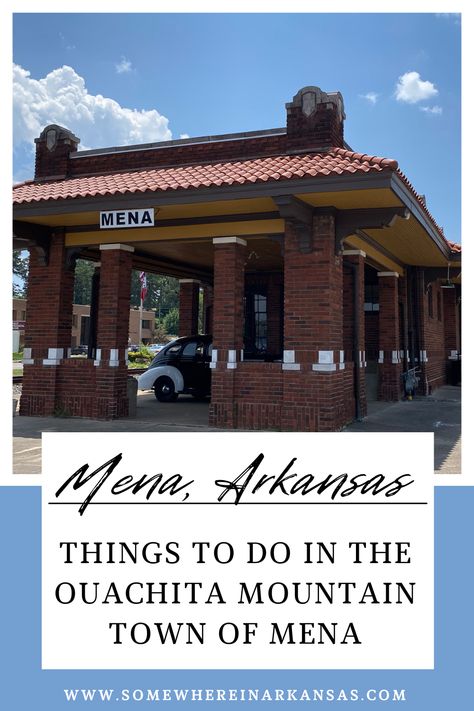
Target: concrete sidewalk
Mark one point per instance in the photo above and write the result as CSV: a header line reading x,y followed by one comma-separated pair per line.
x,y
439,413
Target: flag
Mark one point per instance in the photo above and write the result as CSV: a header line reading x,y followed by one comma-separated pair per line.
x,y
143,289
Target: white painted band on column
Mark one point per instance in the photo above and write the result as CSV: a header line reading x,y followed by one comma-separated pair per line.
x,y
289,361
213,363
454,355
27,359
98,356
380,356
423,357
325,357
395,357
123,247
231,359
229,240
54,356
114,358
125,355
342,365
325,362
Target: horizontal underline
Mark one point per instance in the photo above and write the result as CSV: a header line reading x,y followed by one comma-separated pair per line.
x,y
241,503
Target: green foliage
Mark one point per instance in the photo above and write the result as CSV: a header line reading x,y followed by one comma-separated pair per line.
x,y
171,322
162,293
141,356
159,332
21,262
83,281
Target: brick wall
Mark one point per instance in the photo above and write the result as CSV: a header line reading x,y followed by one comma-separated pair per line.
x,y
435,367
390,370
188,307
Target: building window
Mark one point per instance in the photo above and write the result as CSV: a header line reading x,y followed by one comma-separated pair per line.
x,y
371,297
145,323
430,302
256,322
438,300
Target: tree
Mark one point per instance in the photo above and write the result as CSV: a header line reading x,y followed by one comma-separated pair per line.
x,y
20,271
171,322
83,281
162,293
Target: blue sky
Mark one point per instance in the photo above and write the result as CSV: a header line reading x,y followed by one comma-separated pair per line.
x,y
129,78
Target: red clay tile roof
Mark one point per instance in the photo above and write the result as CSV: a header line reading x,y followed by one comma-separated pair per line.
x,y
336,161
259,170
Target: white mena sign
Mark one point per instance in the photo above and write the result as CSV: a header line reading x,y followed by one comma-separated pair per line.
x,y
115,219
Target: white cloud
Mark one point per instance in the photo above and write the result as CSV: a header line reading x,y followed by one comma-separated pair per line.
x,y
411,88
371,97
124,66
62,97
431,109
184,135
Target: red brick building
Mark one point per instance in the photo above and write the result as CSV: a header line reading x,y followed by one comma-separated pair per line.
x,y
324,273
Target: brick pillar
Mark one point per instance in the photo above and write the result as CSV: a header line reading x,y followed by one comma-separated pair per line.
x,y
274,315
389,369
112,331
421,308
228,327
48,327
207,306
451,323
317,387
354,321
188,306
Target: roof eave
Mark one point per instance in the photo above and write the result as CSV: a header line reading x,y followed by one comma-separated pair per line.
x,y
367,181
408,198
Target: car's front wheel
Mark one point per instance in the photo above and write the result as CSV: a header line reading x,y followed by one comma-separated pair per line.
x,y
165,390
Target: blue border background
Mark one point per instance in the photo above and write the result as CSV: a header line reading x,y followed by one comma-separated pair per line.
x,y
24,687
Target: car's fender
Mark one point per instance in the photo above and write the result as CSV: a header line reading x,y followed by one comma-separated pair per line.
x,y
147,379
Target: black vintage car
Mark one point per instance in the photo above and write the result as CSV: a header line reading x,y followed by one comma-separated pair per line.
x,y
182,366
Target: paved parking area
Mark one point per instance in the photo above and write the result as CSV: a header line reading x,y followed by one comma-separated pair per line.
x,y
439,413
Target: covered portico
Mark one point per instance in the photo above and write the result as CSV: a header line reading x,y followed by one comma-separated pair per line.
x,y
279,227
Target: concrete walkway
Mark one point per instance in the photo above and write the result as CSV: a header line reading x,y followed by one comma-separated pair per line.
x,y
439,413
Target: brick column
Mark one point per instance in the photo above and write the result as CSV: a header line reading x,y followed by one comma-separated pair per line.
x,y
112,331
451,323
228,327
421,307
354,321
188,306
207,306
48,328
389,369
274,315
317,388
